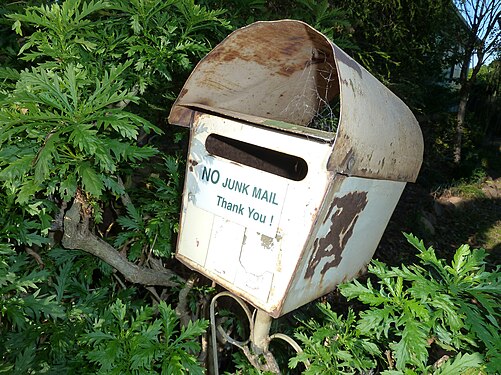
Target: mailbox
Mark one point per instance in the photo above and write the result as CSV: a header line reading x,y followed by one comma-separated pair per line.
x,y
281,204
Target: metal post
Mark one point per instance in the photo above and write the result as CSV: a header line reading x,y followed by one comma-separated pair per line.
x,y
260,336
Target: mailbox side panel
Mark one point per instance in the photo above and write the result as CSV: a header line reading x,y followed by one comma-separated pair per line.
x,y
349,227
243,227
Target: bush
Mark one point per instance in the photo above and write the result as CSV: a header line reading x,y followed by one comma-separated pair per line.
x,y
53,321
430,317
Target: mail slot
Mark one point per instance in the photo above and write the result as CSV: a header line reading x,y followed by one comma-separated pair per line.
x,y
297,158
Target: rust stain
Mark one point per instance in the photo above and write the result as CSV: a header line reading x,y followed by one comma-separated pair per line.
x,y
343,215
183,92
180,116
288,70
192,163
282,47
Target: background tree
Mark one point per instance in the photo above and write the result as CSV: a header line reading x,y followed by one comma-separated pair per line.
x,y
404,43
481,41
485,99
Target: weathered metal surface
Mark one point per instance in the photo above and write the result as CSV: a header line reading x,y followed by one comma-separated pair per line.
x,y
279,74
354,215
264,70
254,256
274,211
378,136
343,214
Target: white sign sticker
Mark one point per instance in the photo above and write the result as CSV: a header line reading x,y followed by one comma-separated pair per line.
x,y
244,195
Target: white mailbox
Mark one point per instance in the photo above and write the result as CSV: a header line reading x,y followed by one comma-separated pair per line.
x,y
275,210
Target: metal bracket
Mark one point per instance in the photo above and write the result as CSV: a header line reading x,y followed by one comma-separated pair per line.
x,y
255,348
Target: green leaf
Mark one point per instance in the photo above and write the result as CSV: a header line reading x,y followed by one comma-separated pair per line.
x,y
460,363
97,337
378,321
136,153
120,123
47,307
27,191
43,161
113,185
134,220
91,181
412,348
104,159
84,138
68,187
135,251
9,73
366,294
62,280
17,169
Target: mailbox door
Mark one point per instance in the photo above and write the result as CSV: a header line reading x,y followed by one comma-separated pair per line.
x,y
245,227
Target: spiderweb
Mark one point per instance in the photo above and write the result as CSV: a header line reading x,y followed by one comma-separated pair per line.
x,y
316,99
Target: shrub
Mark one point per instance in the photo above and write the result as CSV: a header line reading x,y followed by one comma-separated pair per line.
x,y
424,318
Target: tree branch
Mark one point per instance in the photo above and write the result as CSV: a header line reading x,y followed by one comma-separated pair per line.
x,y
77,236
182,309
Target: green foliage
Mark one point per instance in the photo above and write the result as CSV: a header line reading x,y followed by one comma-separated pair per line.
x,y
73,102
328,19
62,31
406,44
26,311
335,346
433,305
61,133
84,88
165,37
120,344
25,225
149,228
63,122
21,301
76,119
322,15
61,319
243,367
160,37
429,317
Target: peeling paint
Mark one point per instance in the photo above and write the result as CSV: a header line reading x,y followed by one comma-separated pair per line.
x,y
191,164
347,210
266,242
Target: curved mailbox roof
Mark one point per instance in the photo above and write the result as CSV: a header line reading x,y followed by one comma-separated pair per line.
x,y
280,74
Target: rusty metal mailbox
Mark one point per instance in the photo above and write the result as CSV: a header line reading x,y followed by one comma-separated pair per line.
x,y
284,196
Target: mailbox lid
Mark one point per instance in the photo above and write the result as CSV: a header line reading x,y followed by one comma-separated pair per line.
x,y
283,74
282,71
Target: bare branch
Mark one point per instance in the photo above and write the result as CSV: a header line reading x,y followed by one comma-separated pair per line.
x,y
77,236
182,308
35,255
